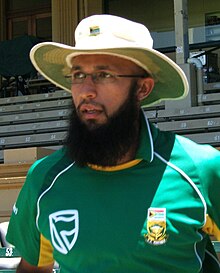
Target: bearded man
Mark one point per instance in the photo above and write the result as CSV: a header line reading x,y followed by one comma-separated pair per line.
x,y
121,196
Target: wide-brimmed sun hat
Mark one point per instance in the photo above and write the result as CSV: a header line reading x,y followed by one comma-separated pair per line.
x,y
112,35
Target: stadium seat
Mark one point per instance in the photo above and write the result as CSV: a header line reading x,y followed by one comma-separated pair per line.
x,y
7,250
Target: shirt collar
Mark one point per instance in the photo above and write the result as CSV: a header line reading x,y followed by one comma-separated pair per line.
x,y
146,141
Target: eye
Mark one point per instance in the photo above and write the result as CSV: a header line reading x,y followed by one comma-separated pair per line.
x,y
78,75
104,75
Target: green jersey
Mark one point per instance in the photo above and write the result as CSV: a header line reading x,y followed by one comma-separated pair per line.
x,y
144,216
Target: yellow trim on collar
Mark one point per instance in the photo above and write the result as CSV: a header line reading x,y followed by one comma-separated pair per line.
x,y
117,167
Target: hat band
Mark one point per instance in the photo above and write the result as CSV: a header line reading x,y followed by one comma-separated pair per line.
x,y
102,41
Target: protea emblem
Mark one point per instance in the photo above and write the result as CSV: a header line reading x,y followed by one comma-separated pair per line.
x,y
64,229
156,226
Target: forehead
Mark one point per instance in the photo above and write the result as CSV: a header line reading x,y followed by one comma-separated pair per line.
x,y
103,61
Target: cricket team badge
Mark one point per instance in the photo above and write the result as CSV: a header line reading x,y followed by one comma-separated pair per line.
x,y
156,226
95,30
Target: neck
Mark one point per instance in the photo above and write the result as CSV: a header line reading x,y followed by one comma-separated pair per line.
x,y
130,155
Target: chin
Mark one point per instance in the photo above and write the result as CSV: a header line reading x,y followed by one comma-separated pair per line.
x,y
92,124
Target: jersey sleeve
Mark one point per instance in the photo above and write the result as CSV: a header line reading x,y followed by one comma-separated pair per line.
x,y
205,161
210,181
22,231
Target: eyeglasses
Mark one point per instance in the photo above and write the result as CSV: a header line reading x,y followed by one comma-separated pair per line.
x,y
98,77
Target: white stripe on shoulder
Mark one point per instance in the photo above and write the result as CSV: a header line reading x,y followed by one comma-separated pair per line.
x,y
189,180
45,191
150,137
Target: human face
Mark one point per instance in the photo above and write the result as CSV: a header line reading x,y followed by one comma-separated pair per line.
x,y
96,102
107,144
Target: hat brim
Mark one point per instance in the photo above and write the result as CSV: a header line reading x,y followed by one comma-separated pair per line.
x,y
51,60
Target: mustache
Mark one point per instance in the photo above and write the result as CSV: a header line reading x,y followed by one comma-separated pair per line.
x,y
86,101
93,103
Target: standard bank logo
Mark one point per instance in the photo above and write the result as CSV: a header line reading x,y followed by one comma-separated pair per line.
x,y
64,229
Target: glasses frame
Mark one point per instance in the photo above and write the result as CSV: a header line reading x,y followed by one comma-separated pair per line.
x,y
94,77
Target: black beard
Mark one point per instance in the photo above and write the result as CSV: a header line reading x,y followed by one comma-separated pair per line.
x,y
106,144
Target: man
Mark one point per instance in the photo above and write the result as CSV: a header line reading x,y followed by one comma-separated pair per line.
x,y
121,196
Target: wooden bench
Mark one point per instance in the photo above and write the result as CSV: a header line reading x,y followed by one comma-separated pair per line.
x,y
211,87
57,95
34,106
195,125
212,98
30,128
34,129
35,120
201,123
39,140
197,112
212,138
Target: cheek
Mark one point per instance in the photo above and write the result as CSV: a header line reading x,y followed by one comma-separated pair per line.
x,y
74,104
74,99
112,105
110,100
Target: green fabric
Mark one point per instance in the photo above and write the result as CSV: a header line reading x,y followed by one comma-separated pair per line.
x,y
114,223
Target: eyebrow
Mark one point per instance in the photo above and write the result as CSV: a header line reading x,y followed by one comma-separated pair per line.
x,y
75,67
98,67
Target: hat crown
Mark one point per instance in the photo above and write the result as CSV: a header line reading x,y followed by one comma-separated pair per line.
x,y
114,36
110,31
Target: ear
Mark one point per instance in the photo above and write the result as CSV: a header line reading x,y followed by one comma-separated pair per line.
x,y
146,85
